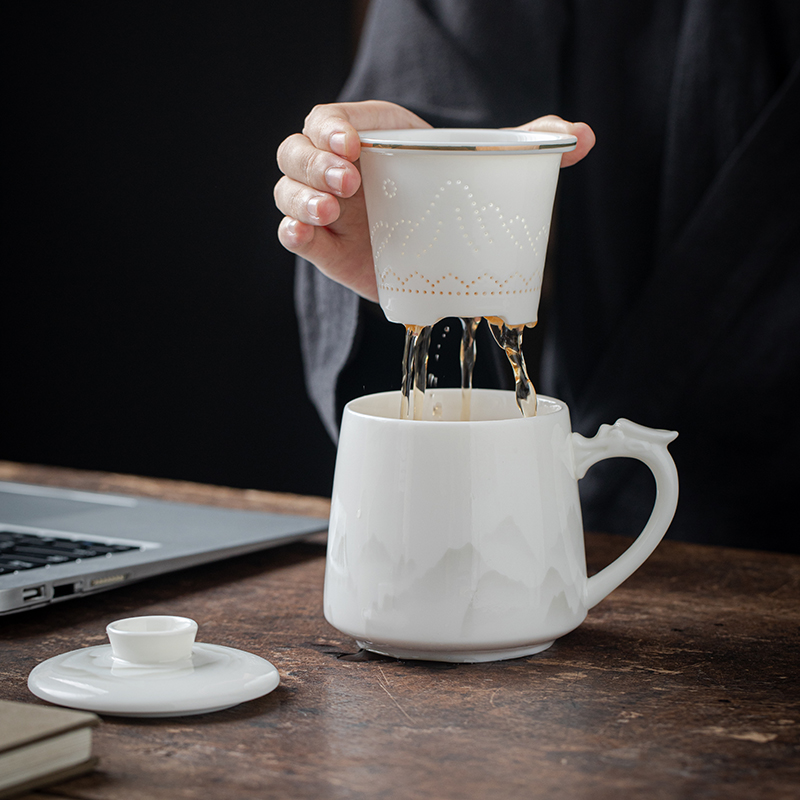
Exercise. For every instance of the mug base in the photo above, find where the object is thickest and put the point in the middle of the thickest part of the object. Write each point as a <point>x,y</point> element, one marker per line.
<point>453,656</point>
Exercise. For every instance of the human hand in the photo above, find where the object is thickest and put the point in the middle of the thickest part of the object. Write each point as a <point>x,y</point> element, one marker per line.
<point>320,191</point>
<point>321,194</point>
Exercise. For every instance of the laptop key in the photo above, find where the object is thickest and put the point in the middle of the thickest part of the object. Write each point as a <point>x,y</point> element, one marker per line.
<point>22,551</point>
<point>40,552</point>
<point>15,564</point>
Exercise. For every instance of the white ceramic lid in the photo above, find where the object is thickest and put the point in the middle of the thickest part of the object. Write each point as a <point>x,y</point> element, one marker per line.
<point>148,681</point>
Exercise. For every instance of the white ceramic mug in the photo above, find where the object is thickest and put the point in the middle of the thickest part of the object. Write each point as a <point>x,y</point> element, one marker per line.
<point>463,541</point>
<point>459,220</point>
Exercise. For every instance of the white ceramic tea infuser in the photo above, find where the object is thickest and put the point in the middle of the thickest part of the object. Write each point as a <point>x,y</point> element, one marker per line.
<point>153,668</point>
<point>459,220</point>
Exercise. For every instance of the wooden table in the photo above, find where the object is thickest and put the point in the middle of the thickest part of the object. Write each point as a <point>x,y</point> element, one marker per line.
<point>682,684</point>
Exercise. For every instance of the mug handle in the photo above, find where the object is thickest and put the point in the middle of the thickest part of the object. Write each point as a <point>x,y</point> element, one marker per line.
<point>627,439</point>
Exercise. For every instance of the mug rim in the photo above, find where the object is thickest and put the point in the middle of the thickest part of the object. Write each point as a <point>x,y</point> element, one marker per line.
<point>468,140</point>
<point>554,405</point>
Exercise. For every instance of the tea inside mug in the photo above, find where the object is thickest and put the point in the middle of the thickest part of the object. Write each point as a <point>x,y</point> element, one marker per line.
<point>444,406</point>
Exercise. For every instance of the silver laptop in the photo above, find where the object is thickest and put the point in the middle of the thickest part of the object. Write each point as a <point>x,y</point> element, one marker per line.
<point>58,544</point>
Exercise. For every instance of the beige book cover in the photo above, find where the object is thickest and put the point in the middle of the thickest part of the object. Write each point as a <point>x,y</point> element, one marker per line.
<point>41,745</point>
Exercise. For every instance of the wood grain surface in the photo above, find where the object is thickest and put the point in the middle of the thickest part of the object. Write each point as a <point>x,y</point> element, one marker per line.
<point>682,684</point>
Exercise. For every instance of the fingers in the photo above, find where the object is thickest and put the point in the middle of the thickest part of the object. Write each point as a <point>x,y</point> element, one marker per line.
<point>317,164</point>
<point>316,244</point>
<point>313,179</point>
<point>335,126</point>
<point>304,203</point>
<point>326,219</point>
<point>295,236</point>
<point>336,255</point>
<point>306,164</point>
<point>554,124</point>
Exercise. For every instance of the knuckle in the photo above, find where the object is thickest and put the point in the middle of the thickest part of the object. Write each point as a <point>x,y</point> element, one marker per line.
<point>307,162</point>
<point>288,199</point>
<point>320,117</point>
<point>296,205</point>
<point>311,120</point>
<point>313,165</point>
<point>285,150</point>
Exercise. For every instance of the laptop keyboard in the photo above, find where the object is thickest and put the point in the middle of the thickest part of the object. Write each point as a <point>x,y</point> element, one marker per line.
<point>19,551</point>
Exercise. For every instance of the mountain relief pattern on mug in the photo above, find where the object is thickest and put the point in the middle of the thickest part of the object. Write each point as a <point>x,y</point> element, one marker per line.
<point>492,591</point>
<point>449,228</point>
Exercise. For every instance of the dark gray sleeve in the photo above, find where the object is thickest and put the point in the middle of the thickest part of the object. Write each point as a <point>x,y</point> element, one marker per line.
<point>462,63</point>
<point>327,315</point>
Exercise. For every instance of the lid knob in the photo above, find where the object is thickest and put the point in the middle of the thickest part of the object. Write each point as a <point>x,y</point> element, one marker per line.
<point>153,639</point>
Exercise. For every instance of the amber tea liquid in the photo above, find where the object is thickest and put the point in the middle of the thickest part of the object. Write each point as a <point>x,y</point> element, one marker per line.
<point>415,366</point>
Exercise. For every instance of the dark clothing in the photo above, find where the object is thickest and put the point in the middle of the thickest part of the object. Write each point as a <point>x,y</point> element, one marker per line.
<point>674,277</point>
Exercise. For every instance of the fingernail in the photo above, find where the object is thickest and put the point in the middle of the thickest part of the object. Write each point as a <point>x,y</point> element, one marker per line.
<point>290,228</point>
<point>334,177</point>
<point>313,206</point>
<point>338,144</point>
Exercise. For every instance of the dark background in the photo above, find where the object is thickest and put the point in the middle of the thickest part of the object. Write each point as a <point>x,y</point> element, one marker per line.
<point>148,322</point>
